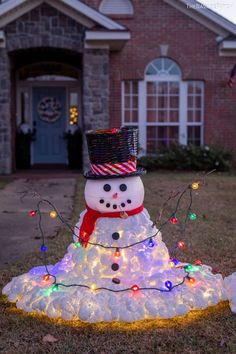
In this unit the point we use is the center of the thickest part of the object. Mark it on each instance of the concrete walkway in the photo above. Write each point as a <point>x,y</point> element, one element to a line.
<point>19,233</point>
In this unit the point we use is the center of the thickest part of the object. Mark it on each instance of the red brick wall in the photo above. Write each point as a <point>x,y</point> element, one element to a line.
<point>193,47</point>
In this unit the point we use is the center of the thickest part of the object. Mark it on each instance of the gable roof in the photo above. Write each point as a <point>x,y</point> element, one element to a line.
<point>207,17</point>
<point>12,9</point>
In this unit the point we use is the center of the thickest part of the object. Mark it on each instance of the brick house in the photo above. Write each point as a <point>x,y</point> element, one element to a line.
<point>159,65</point>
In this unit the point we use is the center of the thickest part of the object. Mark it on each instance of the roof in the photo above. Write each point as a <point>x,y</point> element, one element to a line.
<point>205,16</point>
<point>12,9</point>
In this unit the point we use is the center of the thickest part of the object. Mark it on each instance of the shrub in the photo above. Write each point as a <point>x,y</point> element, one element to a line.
<point>191,157</point>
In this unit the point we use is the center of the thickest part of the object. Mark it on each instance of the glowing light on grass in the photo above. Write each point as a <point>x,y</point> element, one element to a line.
<point>32,213</point>
<point>53,214</point>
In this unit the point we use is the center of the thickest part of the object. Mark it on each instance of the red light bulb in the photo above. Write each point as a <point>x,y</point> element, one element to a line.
<point>135,288</point>
<point>32,213</point>
<point>181,244</point>
<point>46,277</point>
<point>198,262</point>
<point>173,220</point>
<point>117,253</point>
<point>191,281</point>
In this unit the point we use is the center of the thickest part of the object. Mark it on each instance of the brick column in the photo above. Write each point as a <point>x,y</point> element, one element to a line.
<point>95,92</point>
<point>5,116</point>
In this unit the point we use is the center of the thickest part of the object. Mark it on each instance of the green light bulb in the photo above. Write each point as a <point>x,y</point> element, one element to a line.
<point>77,244</point>
<point>188,268</point>
<point>192,216</point>
<point>55,287</point>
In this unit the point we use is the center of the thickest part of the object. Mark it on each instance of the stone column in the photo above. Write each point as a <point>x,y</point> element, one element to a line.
<point>95,92</point>
<point>5,115</point>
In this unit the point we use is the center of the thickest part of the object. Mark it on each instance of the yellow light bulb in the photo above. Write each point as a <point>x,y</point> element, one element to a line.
<point>195,185</point>
<point>93,287</point>
<point>53,214</point>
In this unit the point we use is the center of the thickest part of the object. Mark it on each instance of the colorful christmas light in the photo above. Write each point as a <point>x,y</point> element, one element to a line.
<point>32,213</point>
<point>191,280</point>
<point>173,220</point>
<point>180,244</point>
<point>151,243</point>
<point>168,284</point>
<point>53,214</point>
<point>117,253</point>
<point>46,277</point>
<point>195,185</point>
<point>192,216</point>
<point>44,248</point>
<point>135,288</point>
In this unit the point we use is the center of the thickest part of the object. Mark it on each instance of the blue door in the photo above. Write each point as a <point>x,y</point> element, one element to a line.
<point>49,119</point>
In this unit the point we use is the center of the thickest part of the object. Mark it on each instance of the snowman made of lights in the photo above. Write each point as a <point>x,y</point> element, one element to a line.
<point>118,268</point>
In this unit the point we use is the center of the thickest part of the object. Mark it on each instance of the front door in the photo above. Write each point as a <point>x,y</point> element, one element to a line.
<point>49,121</point>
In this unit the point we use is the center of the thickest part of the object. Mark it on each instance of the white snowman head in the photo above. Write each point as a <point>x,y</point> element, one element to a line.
<point>114,194</point>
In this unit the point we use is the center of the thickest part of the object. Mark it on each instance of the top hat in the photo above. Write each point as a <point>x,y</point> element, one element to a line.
<point>113,153</point>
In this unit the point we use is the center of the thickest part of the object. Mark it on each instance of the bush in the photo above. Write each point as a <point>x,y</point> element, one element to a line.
<point>191,157</point>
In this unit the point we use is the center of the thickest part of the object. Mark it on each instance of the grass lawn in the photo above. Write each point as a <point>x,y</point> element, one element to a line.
<point>210,238</point>
<point>3,183</point>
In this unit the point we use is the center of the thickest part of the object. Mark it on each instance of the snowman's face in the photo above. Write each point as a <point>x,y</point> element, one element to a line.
<point>115,194</point>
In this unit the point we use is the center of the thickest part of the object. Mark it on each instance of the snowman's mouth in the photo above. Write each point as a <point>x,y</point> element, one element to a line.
<point>114,206</point>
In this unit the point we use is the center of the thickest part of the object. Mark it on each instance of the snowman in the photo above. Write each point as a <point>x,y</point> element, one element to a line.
<point>118,268</point>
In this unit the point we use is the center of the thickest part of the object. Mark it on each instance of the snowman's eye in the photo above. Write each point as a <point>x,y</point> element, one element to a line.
<point>123,187</point>
<point>107,187</point>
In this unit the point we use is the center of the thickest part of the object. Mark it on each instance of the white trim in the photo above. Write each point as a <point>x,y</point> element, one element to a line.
<point>2,39</point>
<point>227,48</point>
<point>227,45</point>
<point>151,78</point>
<point>183,104</point>
<point>114,7</point>
<point>142,103</point>
<point>204,16</point>
<point>94,15</point>
<point>13,9</point>
<point>104,39</point>
<point>106,35</point>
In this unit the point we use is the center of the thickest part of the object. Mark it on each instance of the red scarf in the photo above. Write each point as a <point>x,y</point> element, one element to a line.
<point>91,217</point>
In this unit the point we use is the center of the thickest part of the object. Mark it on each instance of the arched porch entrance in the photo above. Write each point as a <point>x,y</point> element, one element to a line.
<point>48,107</point>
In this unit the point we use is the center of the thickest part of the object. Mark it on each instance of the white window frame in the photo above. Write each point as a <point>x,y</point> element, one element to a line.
<point>183,124</point>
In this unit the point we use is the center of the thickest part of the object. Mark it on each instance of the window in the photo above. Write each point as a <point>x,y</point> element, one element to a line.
<point>130,102</point>
<point>116,7</point>
<point>194,112</point>
<point>165,108</point>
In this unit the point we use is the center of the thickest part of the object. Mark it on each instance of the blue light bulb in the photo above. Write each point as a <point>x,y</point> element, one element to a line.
<point>168,284</point>
<point>175,261</point>
<point>44,248</point>
<point>151,243</point>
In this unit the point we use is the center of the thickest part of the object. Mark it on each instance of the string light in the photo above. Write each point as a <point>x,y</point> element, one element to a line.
<point>77,244</point>
<point>198,262</point>
<point>195,185</point>
<point>46,277</point>
<point>168,284</point>
<point>117,253</point>
<point>53,214</point>
<point>180,244</point>
<point>55,287</point>
<point>44,248</point>
<point>191,280</point>
<point>173,220</point>
<point>192,216</point>
<point>151,243</point>
<point>32,213</point>
<point>135,288</point>
<point>188,268</point>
